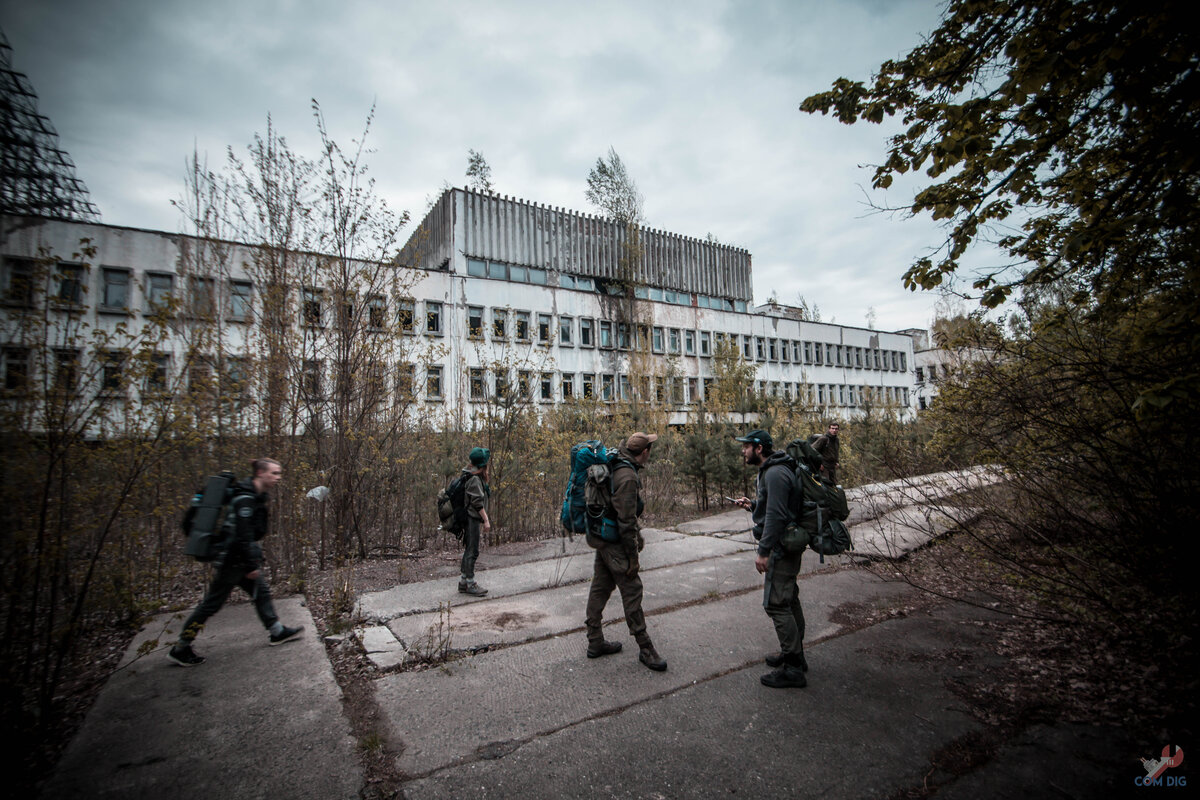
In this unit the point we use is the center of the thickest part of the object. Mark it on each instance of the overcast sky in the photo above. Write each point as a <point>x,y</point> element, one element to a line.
<point>699,98</point>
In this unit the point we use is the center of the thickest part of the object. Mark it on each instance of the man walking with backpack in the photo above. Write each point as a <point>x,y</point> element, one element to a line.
<point>241,564</point>
<point>476,493</point>
<point>771,511</point>
<point>827,445</point>
<point>617,562</point>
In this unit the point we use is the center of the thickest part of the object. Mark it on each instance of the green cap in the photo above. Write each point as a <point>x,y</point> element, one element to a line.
<point>479,456</point>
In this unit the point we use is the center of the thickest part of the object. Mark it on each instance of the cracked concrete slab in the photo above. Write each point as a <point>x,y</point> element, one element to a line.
<point>663,548</point>
<point>544,613</point>
<point>453,713</point>
<point>878,703</point>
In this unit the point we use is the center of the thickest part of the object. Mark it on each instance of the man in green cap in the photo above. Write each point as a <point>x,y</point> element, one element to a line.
<point>477,493</point>
<point>617,563</point>
<point>771,511</point>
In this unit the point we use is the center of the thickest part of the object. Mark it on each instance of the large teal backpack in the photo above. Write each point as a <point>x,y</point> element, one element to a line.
<point>575,515</point>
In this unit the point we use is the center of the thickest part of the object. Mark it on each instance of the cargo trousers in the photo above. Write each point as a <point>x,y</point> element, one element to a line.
<point>610,572</point>
<point>781,600</point>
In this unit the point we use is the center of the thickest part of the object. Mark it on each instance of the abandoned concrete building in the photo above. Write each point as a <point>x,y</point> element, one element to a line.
<point>497,298</point>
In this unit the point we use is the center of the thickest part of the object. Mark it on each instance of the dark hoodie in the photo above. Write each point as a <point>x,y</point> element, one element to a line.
<point>248,511</point>
<point>772,508</point>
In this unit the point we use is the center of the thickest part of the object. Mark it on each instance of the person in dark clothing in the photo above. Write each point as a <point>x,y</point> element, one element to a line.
<point>771,511</point>
<point>241,565</point>
<point>478,523</point>
<point>617,562</point>
<point>827,445</point>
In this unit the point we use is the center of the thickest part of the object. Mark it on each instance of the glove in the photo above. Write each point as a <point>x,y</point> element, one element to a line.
<point>632,569</point>
<point>641,541</point>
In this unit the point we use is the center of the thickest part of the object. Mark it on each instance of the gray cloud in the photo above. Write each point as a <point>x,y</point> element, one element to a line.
<point>699,98</point>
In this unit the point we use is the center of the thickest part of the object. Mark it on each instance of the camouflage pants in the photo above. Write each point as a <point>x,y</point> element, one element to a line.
<point>612,563</point>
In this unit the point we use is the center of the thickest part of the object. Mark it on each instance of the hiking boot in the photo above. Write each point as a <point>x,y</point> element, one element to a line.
<point>472,588</point>
<point>786,677</point>
<point>185,656</point>
<point>775,660</point>
<point>286,635</point>
<point>650,657</point>
<point>602,648</point>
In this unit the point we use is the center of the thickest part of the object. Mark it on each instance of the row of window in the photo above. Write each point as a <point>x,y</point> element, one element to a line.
<point>933,373</point>
<point>65,374</point>
<point>482,384</point>
<point>503,324</point>
<point>115,285</point>
<point>518,273</point>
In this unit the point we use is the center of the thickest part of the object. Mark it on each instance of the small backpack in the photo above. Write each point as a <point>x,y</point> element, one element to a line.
<point>589,488</point>
<point>206,522</point>
<point>452,506</point>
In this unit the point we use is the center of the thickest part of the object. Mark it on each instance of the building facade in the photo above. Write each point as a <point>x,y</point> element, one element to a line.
<point>493,298</point>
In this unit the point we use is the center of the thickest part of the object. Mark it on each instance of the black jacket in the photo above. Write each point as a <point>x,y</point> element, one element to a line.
<point>828,447</point>
<point>772,509</point>
<point>248,517</point>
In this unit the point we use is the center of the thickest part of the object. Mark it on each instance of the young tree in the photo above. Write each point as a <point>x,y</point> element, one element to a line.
<point>479,172</point>
<point>1063,126</point>
<point>612,189</point>
<point>1067,129</point>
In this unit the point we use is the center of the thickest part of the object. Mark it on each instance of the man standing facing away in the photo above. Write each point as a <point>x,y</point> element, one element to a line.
<point>477,493</point>
<point>827,445</point>
<point>771,511</point>
<point>617,562</point>
<point>241,565</point>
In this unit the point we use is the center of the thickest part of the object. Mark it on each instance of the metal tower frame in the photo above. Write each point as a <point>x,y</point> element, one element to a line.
<point>37,177</point>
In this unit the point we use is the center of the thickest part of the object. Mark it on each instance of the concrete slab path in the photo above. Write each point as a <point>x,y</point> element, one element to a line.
<point>519,711</point>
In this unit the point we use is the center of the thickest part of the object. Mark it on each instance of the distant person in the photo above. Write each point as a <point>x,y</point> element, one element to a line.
<point>477,494</point>
<point>241,565</point>
<point>617,562</point>
<point>771,513</point>
<point>827,445</point>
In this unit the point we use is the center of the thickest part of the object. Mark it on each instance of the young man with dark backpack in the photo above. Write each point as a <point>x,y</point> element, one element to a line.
<point>240,564</point>
<point>617,563</point>
<point>771,512</point>
<point>476,501</point>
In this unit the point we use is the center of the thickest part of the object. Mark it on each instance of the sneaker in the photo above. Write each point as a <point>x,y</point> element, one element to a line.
<point>185,656</point>
<point>472,588</point>
<point>775,660</point>
<point>602,648</point>
<point>650,657</point>
<point>286,635</point>
<point>786,677</point>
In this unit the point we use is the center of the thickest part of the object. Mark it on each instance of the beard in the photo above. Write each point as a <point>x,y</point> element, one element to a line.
<point>753,460</point>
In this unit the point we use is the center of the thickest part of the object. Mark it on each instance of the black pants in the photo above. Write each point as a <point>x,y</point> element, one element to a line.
<point>471,547</point>
<point>222,584</point>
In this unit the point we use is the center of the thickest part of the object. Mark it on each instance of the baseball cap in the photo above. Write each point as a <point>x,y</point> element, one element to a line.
<point>639,441</point>
<point>757,436</point>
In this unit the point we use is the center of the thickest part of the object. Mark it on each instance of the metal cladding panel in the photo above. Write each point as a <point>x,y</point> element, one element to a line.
<point>519,232</point>
<point>432,244</point>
